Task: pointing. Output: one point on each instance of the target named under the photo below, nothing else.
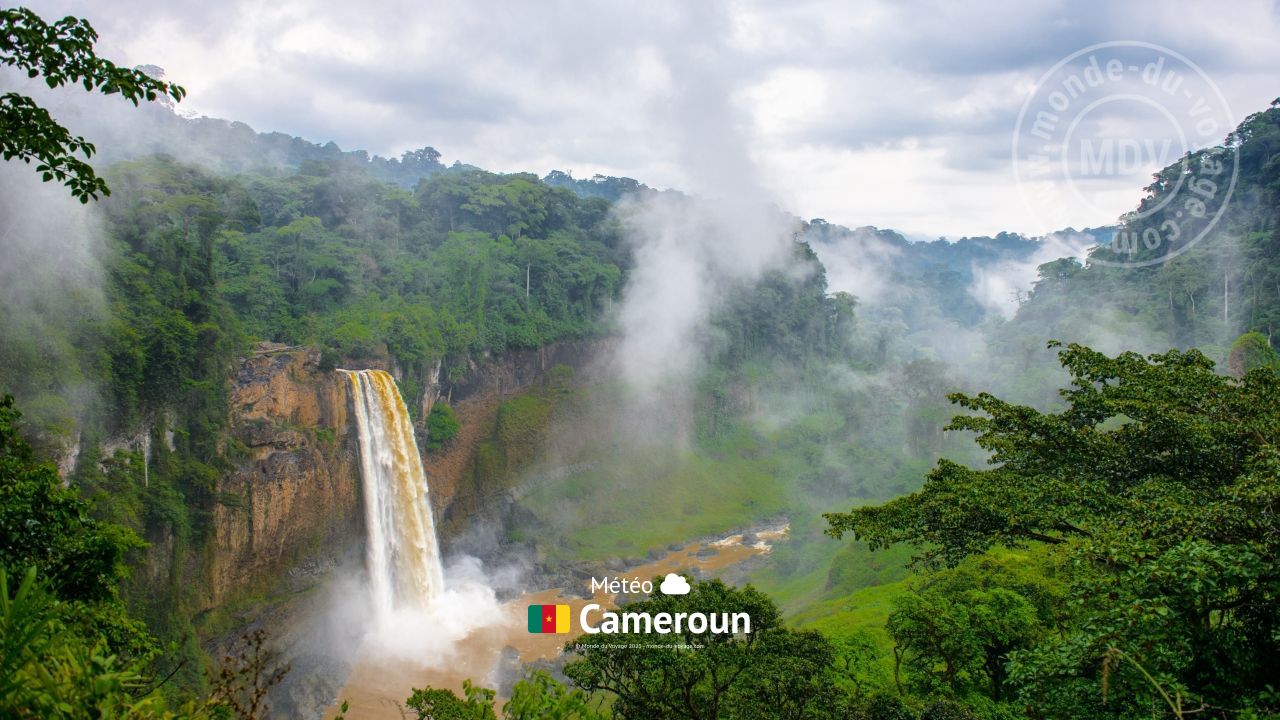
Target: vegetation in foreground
(1115, 562)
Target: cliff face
(296, 513)
(295, 506)
(476, 398)
(295, 500)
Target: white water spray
(403, 556)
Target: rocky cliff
(292, 510)
(294, 502)
(476, 397)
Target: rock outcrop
(293, 512)
(293, 504)
(475, 398)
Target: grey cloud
(523, 86)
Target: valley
(293, 431)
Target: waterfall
(403, 557)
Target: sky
(899, 115)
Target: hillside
(173, 349)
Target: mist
(861, 264)
(51, 289)
(1001, 286)
(689, 249)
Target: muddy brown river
(378, 687)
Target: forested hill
(602, 186)
(233, 147)
(229, 236)
(1225, 285)
(923, 282)
(123, 132)
(198, 265)
(284, 240)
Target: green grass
(634, 499)
(865, 609)
(639, 500)
(520, 427)
(863, 612)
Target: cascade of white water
(403, 556)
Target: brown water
(377, 687)
(403, 556)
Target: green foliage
(785, 315)
(442, 425)
(160, 357)
(522, 421)
(61, 53)
(856, 655)
(49, 670)
(954, 630)
(536, 697)
(437, 704)
(1251, 351)
(68, 649)
(172, 335)
(886, 706)
(542, 697)
(945, 709)
(1156, 481)
(53, 667)
(469, 262)
(46, 526)
(791, 677)
(771, 672)
(598, 186)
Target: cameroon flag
(549, 619)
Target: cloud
(859, 263)
(674, 584)
(891, 114)
(690, 249)
(999, 286)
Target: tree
(1251, 350)
(855, 657)
(46, 526)
(537, 697)
(954, 631)
(62, 53)
(437, 704)
(67, 647)
(774, 670)
(1158, 482)
(49, 670)
(542, 697)
(924, 384)
(442, 424)
(791, 679)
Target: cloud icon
(673, 584)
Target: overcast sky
(892, 114)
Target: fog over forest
(883, 361)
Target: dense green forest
(1092, 537)
(469, 263)
(200, 265)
